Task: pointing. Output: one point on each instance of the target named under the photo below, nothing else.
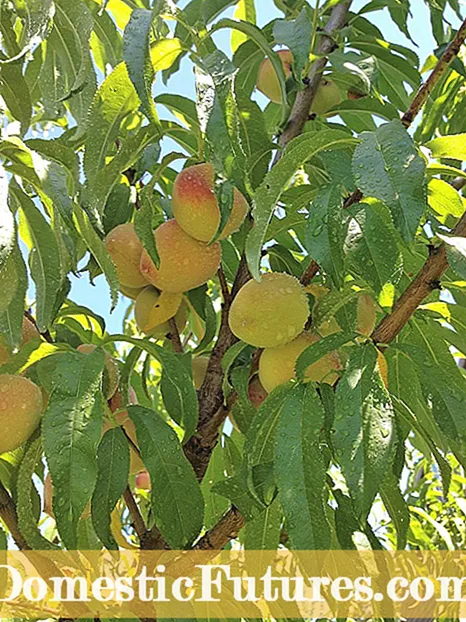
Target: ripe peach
(111, 371)
(200, 364)
(21, 408)
(277, 365)
(267, 81)
(185, 263)
(256, 392)
(195, 205)
(270, 313)
(153, 309)
(125, 249)
(143, 481)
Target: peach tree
(290, 247)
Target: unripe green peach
(153, 309)
(267, 81)
(111, 371)
(200, 364)
(122, 418)
(256, 392)
(328, 95)
(125, 249)
(185, 263)
(131, 292)
(21, 408)
(277, 365)
(195, 205)
(270, 313)
(366, 315)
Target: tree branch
(426, 281)
(225, 530)
(300, 112)
(174, 336)
(136, 516)
(426, 89)
(10, 518)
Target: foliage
(89, 143)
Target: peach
(143, 481)
(277, 365)
(200, 364)
(121, 418)
(328, 95)
(125, 249)
(269, 313)
(21, 407)
(153, 309)
(185, 263)
(366, 315)
(195, 205)
(256, 392)
(267, 81)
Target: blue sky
(97, 297)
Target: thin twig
(136, 516)
(174, 336)
(441, 67)
(10, 518)
(224, 285)
(309, 273)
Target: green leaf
(386, 166)
(176, 496)
(27, 521)
(259, 447)
(298, 151)
(397, 509)
(67, 73)
(262, 533)
(444, 199)
(364, 437)
(7, 221)
(372, 247)
(38, 15)
(453, 146)
(245, 11)
(71, 431)
(98, 250)
(11, 320)
(300, 469)
(143, 224)
(177, 374)
(165, 52)
(137, 56)
(456, 253)
(15, 92)
(44, 261)
(114, 100)
(325, 234)
(215, 505)
(296, 35)
(329, 305)
(319, 349)
(112, 479)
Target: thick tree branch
(10, 518)
(425, 282)
(300, 112)
(225, 530)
